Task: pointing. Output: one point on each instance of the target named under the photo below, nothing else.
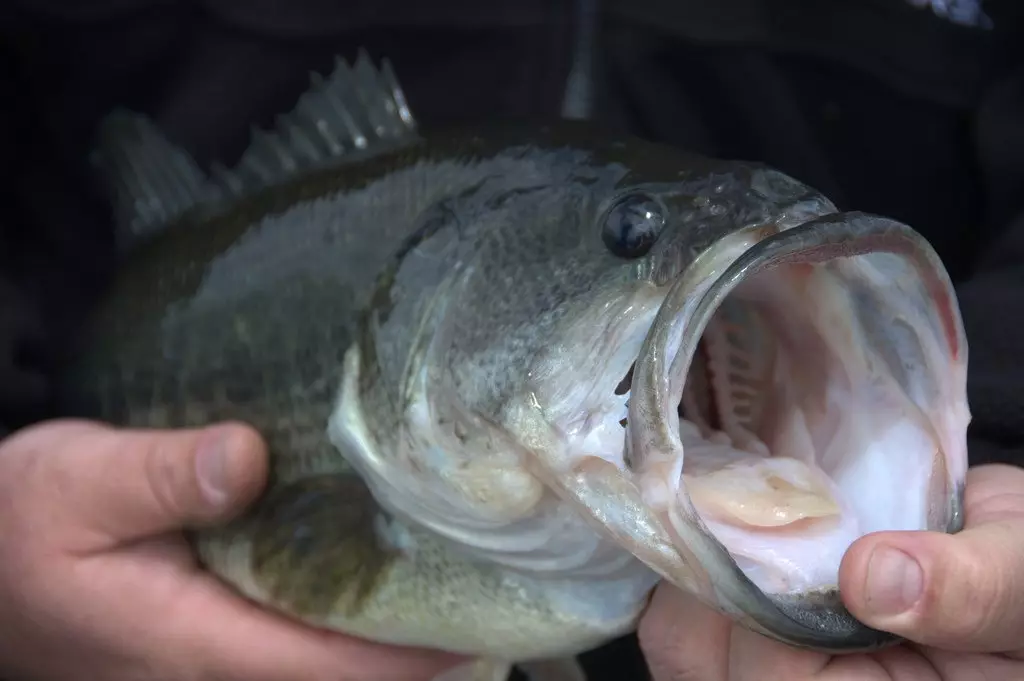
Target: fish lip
(829, 625)
(815, 620)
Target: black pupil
(632, 226)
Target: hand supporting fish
(511, 379)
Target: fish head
(721, 373)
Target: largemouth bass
(510, 379)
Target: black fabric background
(885, 107)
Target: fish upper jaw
(791, 398)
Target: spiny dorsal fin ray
(152, 181)
(357, 110)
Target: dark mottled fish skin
(246, 315)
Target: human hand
(97, 580)
(967, 622)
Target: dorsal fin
(356, 111)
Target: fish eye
(632, 225)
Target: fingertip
(147, 481)
(882, 580)
(231, 465)
(958, 600)
(244, 437)
(853, 571)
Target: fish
(512, 377)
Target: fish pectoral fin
(558, 669)
(481, 669)
(310, 547)
(357, 112)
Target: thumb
(962, 592)
(130, 484)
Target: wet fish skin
(246, 315)
(231, 319)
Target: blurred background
(908, 108)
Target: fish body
(478, 359)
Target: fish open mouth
(817, 394)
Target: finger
(961, 592)
(954, 666)
(994, 492)
(128, 484)
(754, 657)
(683, 639)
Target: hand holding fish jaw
(96, 578)
(967, 620)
